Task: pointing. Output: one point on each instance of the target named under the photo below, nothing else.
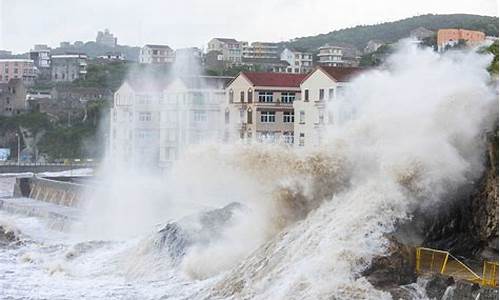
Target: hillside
(390, 32)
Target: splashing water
(312, 219)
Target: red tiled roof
(274, 79)
(342, 73)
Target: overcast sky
(182, 23)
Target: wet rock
(176, 237)
(437, 285)
(8, 237)
(394, 269)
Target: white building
(231, 49)
(321, 90)
(151, 125)
(337, 56)
(299, 61)
(262, 50)
(156, 54)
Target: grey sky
(182, 23)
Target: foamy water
(311, 220)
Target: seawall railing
(432, 261)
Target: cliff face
(468, 225)
(483, 226)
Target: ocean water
(308, 221)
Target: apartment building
(68, 67)
(23, 69)
(263, 50)
(156, 54)
(338, 56)
(259, 107)
(450, 37)
(231, 49)
(321, 103)
(152, 124)
(299, 61)
(191, 114)
(134, 124)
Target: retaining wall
(48, 190)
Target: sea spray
(414, 134)
(410, 135)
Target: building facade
(231, 49)
(68, 67)
(13, 97)
(321, 103)
(451, 37)
(259, 107)
(105, 38)
(338, 56)
(263, 50)
(23, 69)
(152, 125)
(299, 61)
(156, 54)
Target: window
(321, 94)
(287, 97)
(302, 138)
(330, 94)
(249, 116)
(242, 96)
(200, 116)
(321, 117)
(267, 117)
(302, 117)
(288, 117)
(231, 96)
(250, 95)
(306, 95)
(288, 137)
(266, 97)
(145, 116)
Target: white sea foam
(312, 220)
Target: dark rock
(201, 229)
(8, 237)
(394, 269)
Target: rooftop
(274, 79)
(341, 73)
(157, 46)
(232, 41)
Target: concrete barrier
(39, 168)
(48, 190)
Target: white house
(153, 123)
(231, 49)
(135, 124)
(191, 113)
(320, 89)
(156, 54)
(299, 61)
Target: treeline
(391, 32)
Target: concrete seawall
(48, 190)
